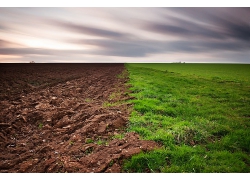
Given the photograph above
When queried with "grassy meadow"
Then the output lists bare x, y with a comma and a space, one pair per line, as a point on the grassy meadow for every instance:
199, 113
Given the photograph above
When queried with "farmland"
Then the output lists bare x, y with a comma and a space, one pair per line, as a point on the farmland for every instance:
125, 118
65, 118
198, 112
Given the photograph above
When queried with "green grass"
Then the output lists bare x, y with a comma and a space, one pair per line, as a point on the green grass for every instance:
40, 126
200, 113
223, 72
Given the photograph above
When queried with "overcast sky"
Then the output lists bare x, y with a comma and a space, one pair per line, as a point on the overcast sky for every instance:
216, 35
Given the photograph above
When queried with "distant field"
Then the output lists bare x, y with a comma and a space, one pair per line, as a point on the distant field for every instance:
200, 113
231, 72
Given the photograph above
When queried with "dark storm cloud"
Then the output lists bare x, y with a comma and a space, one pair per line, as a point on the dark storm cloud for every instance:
82, 29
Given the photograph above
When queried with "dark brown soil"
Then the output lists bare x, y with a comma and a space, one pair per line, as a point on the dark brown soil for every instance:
65, 118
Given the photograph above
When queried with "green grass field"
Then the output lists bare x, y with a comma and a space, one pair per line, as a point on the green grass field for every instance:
200, 113
224, 72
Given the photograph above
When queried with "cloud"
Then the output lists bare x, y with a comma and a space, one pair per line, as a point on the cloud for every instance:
25, 51
206, 23
129, 48
126, 33
87, 30
210, 15
167, 29
8, 44
225, 22
210, 46
183, 29
143, 48
235, 29
132, 48
4, 43
38, 51
2, 27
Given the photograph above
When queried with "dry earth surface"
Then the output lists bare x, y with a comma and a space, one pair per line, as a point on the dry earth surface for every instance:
64, 117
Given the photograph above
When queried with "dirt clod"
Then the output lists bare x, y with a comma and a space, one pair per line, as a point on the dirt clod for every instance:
52, 125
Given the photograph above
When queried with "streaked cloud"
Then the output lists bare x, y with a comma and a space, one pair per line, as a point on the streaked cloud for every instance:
185, 29
83, 29
4, 43
125, 34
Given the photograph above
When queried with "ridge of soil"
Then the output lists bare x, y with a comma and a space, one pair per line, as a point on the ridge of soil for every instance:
62, 124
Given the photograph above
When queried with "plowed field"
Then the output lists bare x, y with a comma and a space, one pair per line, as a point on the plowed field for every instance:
65, 118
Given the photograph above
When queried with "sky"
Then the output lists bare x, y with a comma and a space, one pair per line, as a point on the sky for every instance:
124, 34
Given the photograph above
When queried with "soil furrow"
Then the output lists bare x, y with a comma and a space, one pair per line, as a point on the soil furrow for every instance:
65, 126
